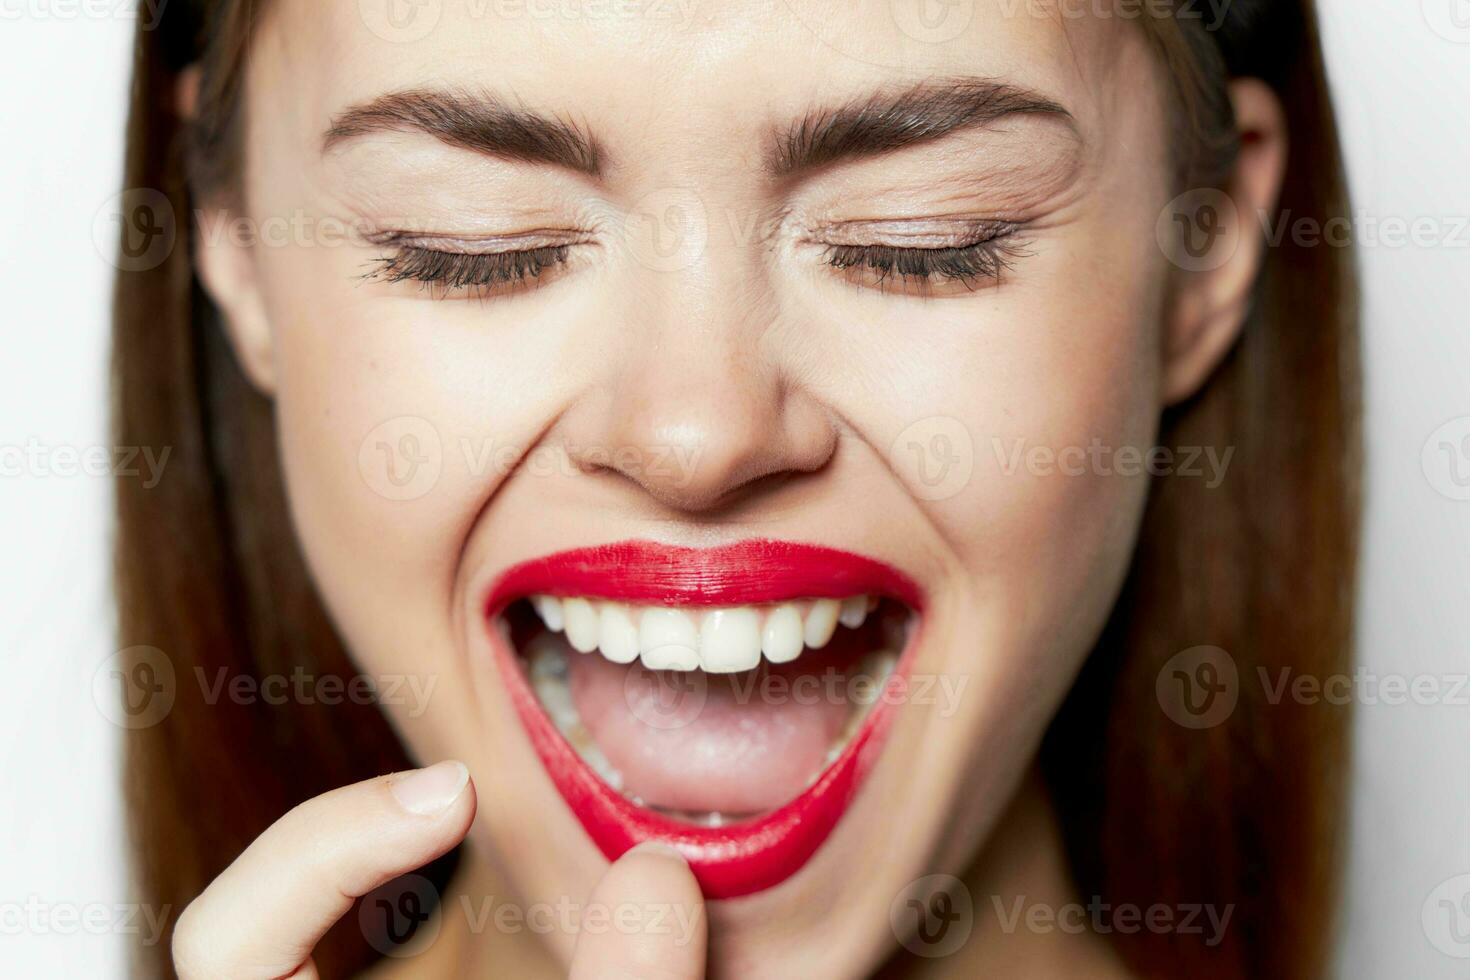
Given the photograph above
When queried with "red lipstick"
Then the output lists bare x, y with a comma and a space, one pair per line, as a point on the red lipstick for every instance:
740, 858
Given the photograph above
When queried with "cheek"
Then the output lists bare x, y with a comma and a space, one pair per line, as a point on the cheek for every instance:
375, 408
1053, 492
1017, 414
1063, 378
1059, 407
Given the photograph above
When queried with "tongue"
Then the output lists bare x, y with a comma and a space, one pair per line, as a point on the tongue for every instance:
736, 744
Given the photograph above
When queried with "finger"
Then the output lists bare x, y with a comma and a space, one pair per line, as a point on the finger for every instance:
645, 921
265, 913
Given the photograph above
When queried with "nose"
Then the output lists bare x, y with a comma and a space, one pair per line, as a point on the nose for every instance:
695, 407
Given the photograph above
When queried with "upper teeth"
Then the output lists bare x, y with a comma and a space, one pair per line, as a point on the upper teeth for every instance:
718, 640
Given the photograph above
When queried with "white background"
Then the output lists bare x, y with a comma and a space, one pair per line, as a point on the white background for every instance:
1401, 71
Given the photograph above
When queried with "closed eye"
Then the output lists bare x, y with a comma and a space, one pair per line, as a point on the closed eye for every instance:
472, 273
478, 274
971, 264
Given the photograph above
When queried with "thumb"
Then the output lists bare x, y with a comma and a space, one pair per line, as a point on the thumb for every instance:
645, 921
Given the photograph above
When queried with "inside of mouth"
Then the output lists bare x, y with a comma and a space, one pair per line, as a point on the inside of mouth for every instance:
684, 726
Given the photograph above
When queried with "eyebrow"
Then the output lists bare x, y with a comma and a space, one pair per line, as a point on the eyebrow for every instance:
895, 119
879, 123
474, 122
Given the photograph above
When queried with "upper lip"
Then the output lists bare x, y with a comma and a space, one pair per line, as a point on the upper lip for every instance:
744, 572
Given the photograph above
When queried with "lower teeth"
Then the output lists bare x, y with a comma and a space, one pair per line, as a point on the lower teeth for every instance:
549, 681
548, 675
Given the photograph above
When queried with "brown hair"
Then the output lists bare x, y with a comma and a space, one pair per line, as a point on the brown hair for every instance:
1245, 813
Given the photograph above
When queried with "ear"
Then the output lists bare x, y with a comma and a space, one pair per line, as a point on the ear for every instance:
1213, 293
224, 259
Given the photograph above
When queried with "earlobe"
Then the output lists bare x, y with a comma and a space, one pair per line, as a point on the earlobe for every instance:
186, 92
225, 264
1224, 244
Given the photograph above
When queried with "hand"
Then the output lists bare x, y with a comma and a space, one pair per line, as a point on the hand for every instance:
263, 916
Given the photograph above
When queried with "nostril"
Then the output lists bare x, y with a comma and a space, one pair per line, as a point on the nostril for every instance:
713, 476
697, 443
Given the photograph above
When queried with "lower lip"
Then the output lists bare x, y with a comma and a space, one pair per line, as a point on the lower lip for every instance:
738, 859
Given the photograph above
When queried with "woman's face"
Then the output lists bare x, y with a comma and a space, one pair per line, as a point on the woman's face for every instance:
810, 273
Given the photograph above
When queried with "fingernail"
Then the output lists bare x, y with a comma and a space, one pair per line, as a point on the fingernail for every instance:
659, 849
431, 790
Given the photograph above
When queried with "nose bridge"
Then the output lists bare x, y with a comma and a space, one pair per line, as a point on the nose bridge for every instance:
696, 403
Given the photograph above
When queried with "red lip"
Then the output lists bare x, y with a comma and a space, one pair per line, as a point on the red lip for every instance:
743, 858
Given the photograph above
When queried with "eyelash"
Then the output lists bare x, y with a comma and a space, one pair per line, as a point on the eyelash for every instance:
452, 271
479, 272
985, 260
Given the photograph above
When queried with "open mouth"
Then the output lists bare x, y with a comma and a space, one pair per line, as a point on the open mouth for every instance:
726, 701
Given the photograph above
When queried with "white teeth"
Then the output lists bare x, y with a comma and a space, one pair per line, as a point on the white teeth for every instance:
555, 698
582, 627
781, 640
671, 657
719, 641
619, 639
730, 640
668, 640
548, 607
821, 622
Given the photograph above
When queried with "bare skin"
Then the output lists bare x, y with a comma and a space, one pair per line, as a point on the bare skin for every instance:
787, 384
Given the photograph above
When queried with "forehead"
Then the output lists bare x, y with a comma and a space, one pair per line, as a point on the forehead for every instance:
682, 67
